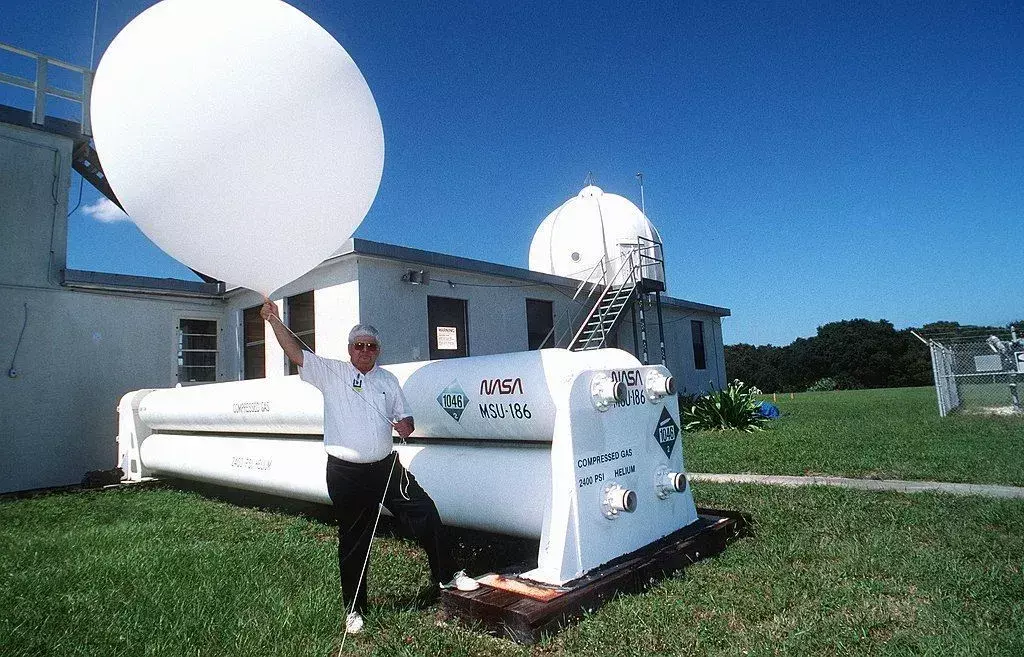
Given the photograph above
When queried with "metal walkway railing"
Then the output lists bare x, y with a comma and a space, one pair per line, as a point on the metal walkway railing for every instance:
602, 301
42, 88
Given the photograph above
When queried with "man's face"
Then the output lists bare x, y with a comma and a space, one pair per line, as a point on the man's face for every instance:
363, 353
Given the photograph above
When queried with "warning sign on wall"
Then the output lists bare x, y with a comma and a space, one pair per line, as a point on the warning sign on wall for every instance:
447, 338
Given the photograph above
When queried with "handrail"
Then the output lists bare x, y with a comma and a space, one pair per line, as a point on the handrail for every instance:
580, 306
579, 309
590, 274
56, 62
629, 282
627, 260
654, 244
651, 260
642, 250
42, 88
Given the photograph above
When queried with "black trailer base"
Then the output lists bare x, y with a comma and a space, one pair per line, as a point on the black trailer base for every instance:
525, 611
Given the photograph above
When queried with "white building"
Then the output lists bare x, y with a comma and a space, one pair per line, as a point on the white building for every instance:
76, 341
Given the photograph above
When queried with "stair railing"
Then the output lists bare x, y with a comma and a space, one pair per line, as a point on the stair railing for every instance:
619, 292
642, 254
652, 259
594, 278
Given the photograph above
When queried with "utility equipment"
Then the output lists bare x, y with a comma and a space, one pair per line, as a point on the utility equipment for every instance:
581, 450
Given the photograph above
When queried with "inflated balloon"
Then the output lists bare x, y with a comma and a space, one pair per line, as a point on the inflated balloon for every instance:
238, 135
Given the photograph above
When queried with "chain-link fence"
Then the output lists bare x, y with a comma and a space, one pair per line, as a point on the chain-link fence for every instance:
974, 375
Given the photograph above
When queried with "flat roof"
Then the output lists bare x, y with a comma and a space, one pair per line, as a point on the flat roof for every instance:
359, 246
52, 124
97, 280
354, 246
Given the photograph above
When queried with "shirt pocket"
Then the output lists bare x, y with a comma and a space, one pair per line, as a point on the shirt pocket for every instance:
381, 402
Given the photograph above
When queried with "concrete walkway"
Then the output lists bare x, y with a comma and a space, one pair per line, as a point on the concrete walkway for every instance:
1012, 492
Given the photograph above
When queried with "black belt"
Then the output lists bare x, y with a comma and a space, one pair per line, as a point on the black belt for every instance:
334, 460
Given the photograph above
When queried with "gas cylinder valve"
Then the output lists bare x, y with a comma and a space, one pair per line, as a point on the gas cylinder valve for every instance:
616, 499
666, 482
605, 391
659, 384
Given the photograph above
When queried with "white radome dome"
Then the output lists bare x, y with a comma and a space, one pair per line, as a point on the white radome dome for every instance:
588, 228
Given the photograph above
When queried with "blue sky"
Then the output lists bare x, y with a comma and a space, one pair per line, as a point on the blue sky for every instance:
804, 163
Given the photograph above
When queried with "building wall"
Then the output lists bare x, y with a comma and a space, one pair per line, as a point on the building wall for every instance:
496, 308
34, 182
370, 289
679, 347
679, 338
80, 351
336, 310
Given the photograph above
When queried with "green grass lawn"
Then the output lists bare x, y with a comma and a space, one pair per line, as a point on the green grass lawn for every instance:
886, 434
829, 571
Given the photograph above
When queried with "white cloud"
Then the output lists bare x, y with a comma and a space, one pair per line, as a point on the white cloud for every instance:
104, 210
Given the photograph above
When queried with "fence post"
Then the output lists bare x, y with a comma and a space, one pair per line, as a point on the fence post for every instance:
1015, 372
939, 381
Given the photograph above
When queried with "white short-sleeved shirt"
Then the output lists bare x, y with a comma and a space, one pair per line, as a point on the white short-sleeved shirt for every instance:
352, 430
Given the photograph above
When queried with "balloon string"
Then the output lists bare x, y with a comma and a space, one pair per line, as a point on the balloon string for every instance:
366, 560
380, 506
403, 487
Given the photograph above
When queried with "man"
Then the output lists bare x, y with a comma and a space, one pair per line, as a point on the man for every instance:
362, 404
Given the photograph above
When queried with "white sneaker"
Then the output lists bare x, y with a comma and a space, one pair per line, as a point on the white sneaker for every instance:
354, 623
462, 582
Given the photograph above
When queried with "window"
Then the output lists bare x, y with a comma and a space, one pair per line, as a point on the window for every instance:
446, 326
197, 350
254, 337
299, 311
699, 358
540, 319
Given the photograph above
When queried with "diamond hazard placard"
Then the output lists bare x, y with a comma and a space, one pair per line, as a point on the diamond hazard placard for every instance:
666, 432
453, 400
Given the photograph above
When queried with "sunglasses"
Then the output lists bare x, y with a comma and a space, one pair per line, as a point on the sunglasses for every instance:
372, 347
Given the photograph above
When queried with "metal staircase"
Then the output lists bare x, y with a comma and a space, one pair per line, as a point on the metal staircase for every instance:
605, 300
603, 321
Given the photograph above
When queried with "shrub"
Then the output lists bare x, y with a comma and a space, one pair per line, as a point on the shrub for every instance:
686, 402
731, 408
828, 384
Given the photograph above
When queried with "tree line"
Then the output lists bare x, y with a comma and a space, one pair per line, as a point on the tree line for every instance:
848, 354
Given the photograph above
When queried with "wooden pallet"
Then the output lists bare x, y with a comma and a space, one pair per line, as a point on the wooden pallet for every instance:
525, 611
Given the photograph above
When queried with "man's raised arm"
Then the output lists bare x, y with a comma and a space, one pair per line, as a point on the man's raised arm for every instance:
291, 345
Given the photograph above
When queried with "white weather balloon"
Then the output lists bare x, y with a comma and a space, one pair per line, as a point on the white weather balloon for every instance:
238, 135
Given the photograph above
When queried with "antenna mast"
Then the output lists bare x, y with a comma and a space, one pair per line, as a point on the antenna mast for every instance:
640, 177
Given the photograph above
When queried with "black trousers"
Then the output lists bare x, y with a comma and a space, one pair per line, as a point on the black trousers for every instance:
356, 489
